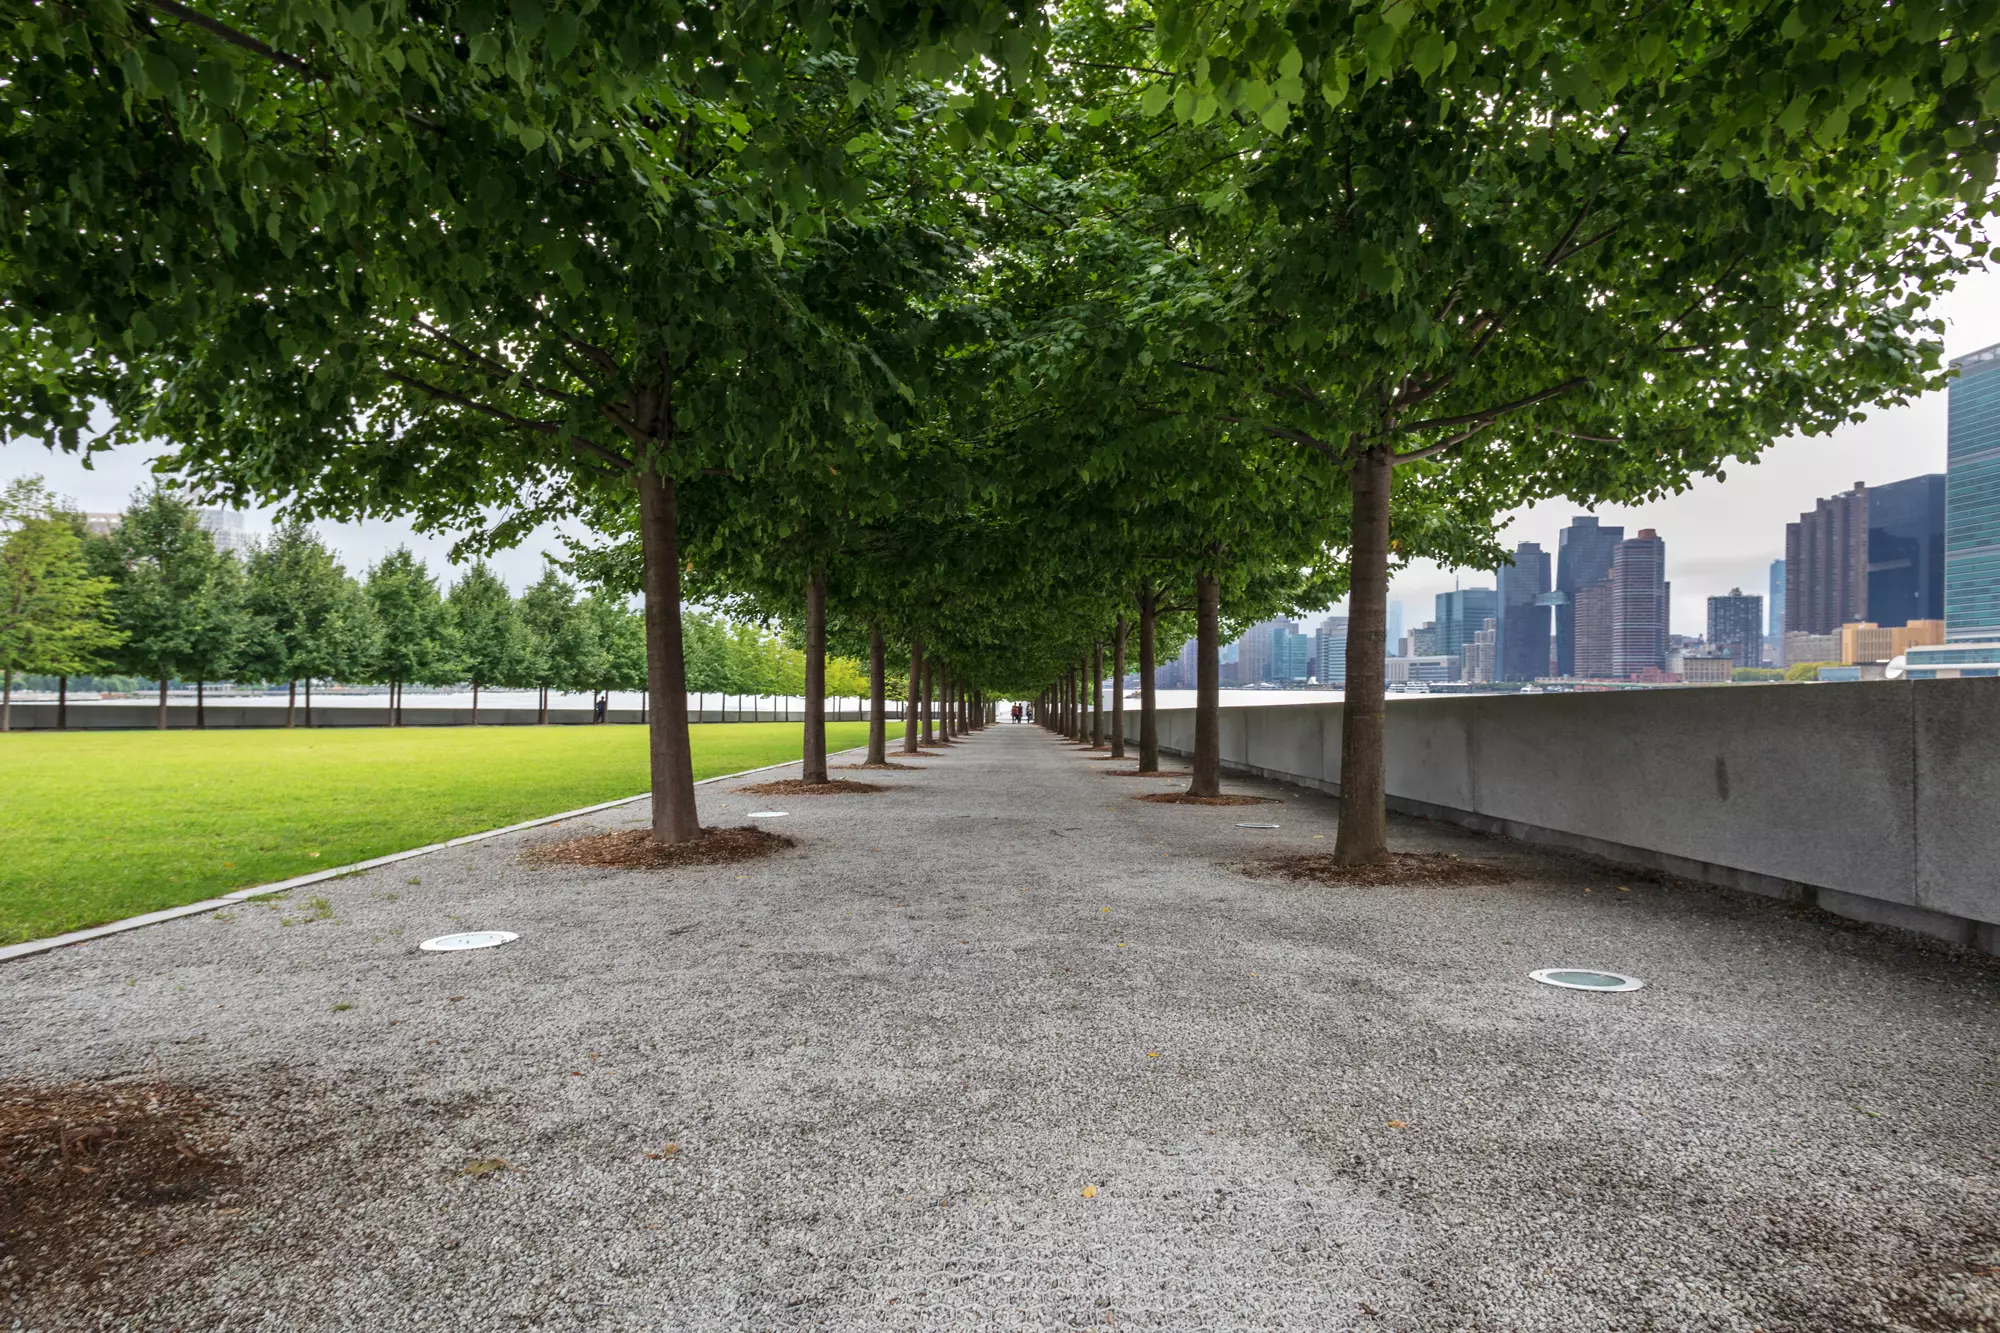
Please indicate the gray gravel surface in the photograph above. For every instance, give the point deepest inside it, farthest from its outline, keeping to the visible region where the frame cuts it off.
(894, 1057)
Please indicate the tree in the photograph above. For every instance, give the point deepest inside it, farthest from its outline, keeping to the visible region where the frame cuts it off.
(620, 636)
(486, 636)
(218, 627)
(295, 590)
(522, 261)
(410, 622)
(174, 597)
(52, 608)
(561, 643)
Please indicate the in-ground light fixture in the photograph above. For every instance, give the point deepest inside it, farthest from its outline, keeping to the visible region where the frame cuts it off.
(1585, 978)
(470, 939)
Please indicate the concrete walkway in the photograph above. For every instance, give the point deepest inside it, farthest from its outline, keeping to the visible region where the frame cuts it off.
(895, 1060)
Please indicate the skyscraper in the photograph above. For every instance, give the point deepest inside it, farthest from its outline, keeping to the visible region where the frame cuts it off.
(1736, 623)
(1776, 603)
(1523, 622)
(1906, 551)
(1826, 564)
(1583, 557)
(1592, 641)
(1460, 615)
(1331, 643)
(1639, 605)
(1395, 627)
(1972, 499)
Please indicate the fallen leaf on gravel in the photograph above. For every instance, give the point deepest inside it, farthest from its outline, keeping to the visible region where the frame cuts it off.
(668, 1151)
(1090, 1191)
(486, 1166)
(1397, 1124)
(576, 1073)
(1152, 1055)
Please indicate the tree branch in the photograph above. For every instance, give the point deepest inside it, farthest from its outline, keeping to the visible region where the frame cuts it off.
(235, 38)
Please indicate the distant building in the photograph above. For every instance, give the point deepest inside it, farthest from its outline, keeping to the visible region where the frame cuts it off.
(1429, 669)
(1639, 595)
(1591, 646)
(1423, 641)
(227, 529)
(1394, 635)
(1523, 620)
(1952, 660)
(1181, 672)
(1481, 655)
(1736, 623)
(1776, 602)
(1331, 652)
(102, 525)
(1802, 647)
(1708, 668)
(1460, 615)
(1867, 642)
(1826, 564)
(1972, 499)
(1906, 551)
(1291, 657)
(1583, 557)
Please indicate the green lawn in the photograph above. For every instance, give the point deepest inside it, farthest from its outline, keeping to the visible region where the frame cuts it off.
(95, 826)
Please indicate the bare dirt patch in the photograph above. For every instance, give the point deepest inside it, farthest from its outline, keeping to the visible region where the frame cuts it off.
(634, 849)
(1182, 798)
(96, 1175)
(800, 787)
(1402, 870)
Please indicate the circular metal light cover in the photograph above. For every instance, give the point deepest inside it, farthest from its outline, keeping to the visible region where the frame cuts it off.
(1585, 978)
(767, 814)
(471, 939)
(1256, 826)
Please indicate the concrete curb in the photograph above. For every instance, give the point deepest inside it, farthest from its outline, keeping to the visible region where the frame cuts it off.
(29, 948)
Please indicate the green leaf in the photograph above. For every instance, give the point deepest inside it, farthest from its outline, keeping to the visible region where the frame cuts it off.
(560, 34)
(1154, 100)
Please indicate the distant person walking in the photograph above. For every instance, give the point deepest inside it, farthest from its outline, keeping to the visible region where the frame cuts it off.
(1017, 714)
(597, 710)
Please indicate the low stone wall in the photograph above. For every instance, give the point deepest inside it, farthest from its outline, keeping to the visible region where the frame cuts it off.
(227, 716)
(1876, 800)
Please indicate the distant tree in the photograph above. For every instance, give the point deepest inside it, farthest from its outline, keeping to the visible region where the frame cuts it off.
(1757, 673)
(170, 591)
(705, 650)
(486, 635)
(295, 588)
(409, 616)
(348, 646)
(561, 642)
(620, 634)
(52, 608)
(218, 628)
(1806, 670)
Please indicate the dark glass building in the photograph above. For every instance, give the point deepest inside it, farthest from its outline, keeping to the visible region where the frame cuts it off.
(1736, 623)
(1462, 614)
(1972, 500)
(1523, 623)
(1639, 605)
(1906, 551)
(1583, 557)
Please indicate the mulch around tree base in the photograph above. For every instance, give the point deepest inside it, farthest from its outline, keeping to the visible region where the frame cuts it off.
(1182, 798)
(1402, 869)
(800, 787)
(98, 1175)
(1135, 773)
(634, 849)
(876, 768)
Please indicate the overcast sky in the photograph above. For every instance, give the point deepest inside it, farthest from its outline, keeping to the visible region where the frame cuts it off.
(1718, 534)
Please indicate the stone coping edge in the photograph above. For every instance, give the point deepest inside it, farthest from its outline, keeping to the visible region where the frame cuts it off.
(28, 948)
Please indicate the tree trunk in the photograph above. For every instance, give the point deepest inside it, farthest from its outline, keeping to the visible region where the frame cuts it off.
(163, 701)
(911, 726)
(1363, 835)
(475, 703)
(201, 705)
(1118, 690)
(1149, 717)
(1096, 696)
(7, 699)
(815, 753)
(878, 697)
(1208, 690)
(930, 691)
(292, 703)
(672, 763)
(309, 702)
(62, 703)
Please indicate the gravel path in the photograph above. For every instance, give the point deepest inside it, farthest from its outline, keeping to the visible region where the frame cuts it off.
(893, 1059)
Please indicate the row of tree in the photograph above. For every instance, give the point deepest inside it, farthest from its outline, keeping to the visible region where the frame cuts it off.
(979, 335)
(157, 598)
